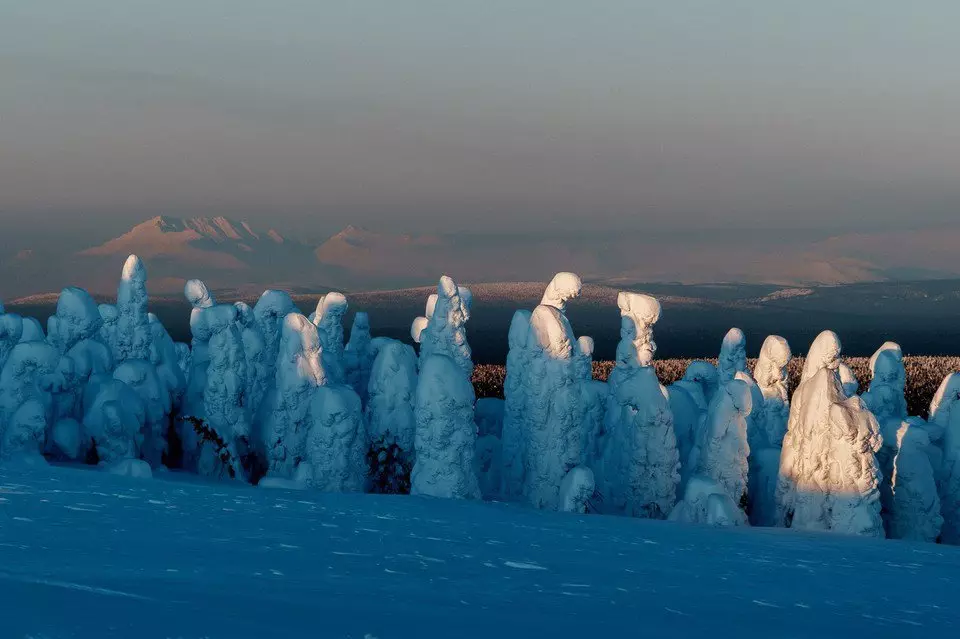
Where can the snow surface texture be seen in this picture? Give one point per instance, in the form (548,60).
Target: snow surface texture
(552,410)
(446,433)
(173,557)
(640,466)
(829,476)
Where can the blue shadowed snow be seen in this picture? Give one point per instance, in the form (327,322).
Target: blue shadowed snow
(88,554)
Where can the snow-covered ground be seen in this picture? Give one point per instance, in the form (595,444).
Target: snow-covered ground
(88,554)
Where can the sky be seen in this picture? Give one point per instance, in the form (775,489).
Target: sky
(495,116)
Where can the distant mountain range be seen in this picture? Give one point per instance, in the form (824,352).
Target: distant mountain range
(233,254)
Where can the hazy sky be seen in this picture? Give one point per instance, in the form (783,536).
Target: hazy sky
(481,115)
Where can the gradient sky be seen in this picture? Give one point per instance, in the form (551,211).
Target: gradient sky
(495,115)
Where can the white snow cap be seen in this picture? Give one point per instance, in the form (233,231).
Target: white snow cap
(771,369)
(445,333)
(638,314)
(563,287)
(824,353)
(733,355)
(888,347)
(197,294)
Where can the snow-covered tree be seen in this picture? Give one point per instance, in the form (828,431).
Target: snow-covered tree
(29,375)
(77,318)
(944,422)
(733,356)
(446,433)
(328,318)
(824,424)
(640,463)
(552,409)
(114,416)
(133,322)
(269,313)
(108,329)
(299,372)
(722,451)
(915,508)
(165,357)
(11,328)
(515,396)
(336,447)
(705,375)
(767,432)
(849,381)
(254,352)
(446,333)
(391,424)
(357,359)
(141,376)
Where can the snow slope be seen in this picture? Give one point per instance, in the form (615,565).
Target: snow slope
(87,554)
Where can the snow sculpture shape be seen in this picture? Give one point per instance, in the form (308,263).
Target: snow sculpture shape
(562,288)
(515,395)
(30,373)
(255,357)
(824,353)
(77,318)
(108,329)
(299,372)
(640,464)
(576,490)
(733,356)
(328,318)
(767,431)
(585,357)
(133,323)
(165,357)
(114,416)
(721,453)
(705,375)
(24,433)
(336,445)
(824,424)
(270,311)
(706,502)
(638,314)
(446,434)
(945,422)
(915,508)
(887,347)
(446,332)
(357,360)
(849,381)
(420,324)
(11,328)
(391,422)
(553,414)
(392,392)
(141,377)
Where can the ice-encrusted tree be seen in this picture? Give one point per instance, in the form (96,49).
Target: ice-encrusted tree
(357,359)
(446,433)
(706,502)
(141,376)
(200,299)
(722,451)
(593,400)
(944,424)
(114,416)
(391,423)
(445,332)
(515,396)
(842,495)
(328,318)
(336,447)
(76,318)
(705,375)
(915,504)
(269,312)
(11,328)
(488,412)
(29,375)
(733,356)
(133,322)
(109,327)
(552,416)
(767,432)
(254,350)
(299,373)
(689,399)
(640,464)
(165,357)
(578,487)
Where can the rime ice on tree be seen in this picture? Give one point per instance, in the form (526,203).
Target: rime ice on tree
(640,464)
(515,395)
(766,435)
(328,318)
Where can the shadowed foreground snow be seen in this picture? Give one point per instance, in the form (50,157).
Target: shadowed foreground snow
(88,554)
